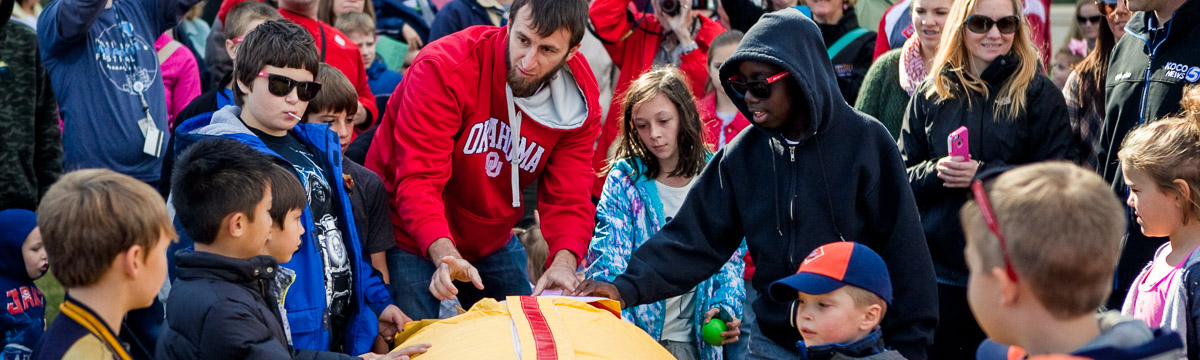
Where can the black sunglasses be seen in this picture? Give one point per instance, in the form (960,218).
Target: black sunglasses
(981,24)
(759,88)
(280,85)
(979,194)
(1089,20)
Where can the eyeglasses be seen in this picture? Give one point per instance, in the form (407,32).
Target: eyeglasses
(981,24)
(1106,7)
(1089,20)
(280,85)
(993,224)
(759,88)
(238,40)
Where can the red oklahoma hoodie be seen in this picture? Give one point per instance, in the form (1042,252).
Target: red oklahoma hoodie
(445,140)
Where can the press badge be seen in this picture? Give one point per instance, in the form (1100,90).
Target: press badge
(154,137)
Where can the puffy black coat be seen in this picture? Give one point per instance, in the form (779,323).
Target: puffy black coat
(1041,133)
(226,308)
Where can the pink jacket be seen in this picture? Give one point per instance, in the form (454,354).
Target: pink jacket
(180,75)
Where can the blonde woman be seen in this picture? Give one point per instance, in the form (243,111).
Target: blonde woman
(985,77)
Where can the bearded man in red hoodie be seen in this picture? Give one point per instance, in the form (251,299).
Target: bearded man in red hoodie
(480,115)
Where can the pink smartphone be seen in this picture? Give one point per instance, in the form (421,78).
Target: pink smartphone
(960,148)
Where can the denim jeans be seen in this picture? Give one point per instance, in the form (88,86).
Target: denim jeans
(763,348)
(503,274)
(740,349)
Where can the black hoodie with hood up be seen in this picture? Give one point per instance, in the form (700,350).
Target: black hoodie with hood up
(844,180)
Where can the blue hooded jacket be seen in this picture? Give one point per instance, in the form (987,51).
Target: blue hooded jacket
(307,310)
(24,321)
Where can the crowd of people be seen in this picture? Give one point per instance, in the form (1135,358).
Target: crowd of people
(301,178)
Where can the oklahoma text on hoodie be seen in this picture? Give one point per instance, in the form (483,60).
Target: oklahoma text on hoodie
(444,149)
(845,176)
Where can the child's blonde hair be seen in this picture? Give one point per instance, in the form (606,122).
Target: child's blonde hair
(1063,227)
(863,298)
(1169,149)
(90,216)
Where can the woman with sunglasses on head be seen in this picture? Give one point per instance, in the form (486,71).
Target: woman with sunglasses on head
(985,78)
(659,154)
(1084,89)
(895,75)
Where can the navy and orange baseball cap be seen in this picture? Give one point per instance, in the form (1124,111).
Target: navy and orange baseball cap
(831,266)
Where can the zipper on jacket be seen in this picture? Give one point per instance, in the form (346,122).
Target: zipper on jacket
(1149,70)
(792,209)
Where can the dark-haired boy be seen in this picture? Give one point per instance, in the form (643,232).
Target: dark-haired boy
(335,106)
(222,195)
(107,235)
(332,304)
(226,303)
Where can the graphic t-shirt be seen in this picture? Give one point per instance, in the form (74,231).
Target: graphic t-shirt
(327,236)
(100,71)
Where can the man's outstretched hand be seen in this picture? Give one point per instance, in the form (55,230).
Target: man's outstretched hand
(599,288)
(560,275)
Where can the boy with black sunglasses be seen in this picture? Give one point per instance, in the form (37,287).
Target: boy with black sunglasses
(334,301)
(811,171)
(1040,266)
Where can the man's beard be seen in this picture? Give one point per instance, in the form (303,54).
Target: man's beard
(525,87)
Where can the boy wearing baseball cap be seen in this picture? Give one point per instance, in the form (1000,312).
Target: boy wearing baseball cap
(839,295)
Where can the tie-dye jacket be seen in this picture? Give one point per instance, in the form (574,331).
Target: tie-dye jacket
(628,214)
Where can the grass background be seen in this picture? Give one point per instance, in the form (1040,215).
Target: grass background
(53,291)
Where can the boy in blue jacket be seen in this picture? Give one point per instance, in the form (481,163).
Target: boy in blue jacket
(22,260)
(336,303)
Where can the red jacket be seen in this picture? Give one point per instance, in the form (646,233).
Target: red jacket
(632,50)
(713,125)
(341,53)
(444,138)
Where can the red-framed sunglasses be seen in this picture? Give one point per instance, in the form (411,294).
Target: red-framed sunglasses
(993,224)
(759,88)
(280,85)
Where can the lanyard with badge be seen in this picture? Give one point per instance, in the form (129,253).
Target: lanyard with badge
(153,136)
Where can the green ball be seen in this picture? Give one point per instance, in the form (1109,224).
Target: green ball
(711,332)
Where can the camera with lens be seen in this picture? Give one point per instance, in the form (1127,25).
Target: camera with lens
(669,7)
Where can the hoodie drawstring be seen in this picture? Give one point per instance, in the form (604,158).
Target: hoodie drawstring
(514,149)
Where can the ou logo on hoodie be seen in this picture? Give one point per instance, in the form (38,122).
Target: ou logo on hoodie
(495,138)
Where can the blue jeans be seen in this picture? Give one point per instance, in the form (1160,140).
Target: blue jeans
(503,274)
(763,348)
(740,349)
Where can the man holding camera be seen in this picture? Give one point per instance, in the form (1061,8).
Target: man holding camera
(673,35)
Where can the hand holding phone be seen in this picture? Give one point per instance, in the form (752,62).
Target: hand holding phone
(957,142)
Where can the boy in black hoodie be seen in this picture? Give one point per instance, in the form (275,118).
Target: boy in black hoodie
(811,171)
